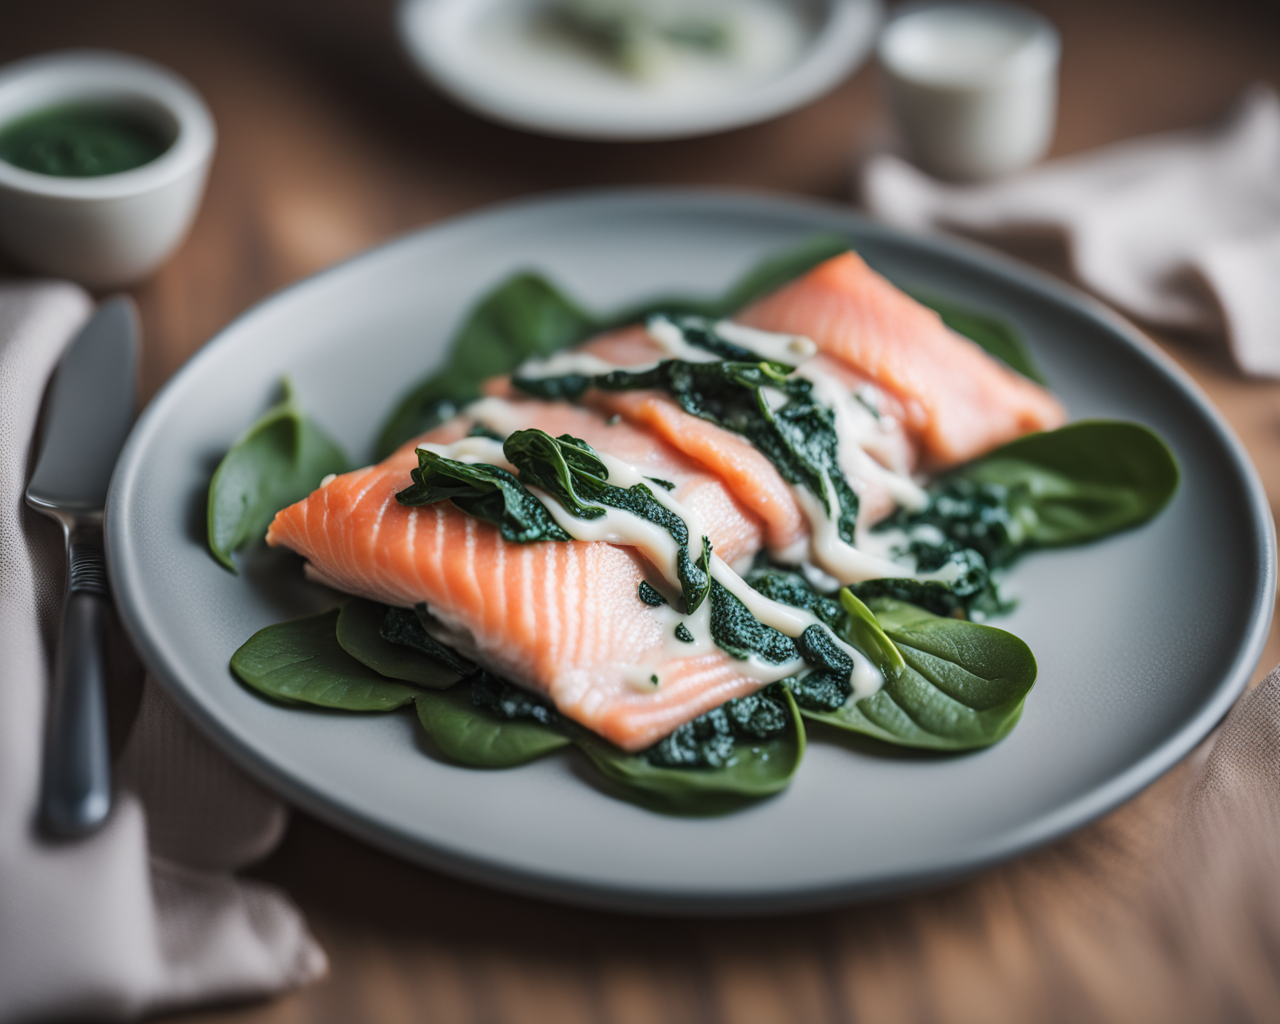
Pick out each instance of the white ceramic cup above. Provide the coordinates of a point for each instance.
(113, 229)
(973, 86)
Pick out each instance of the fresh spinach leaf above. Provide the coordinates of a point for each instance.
(301, 662)
(1082, 481)
(961, 686)
(863, 631)
(471, 735)
(280, 459)
(524, 316)
(757, 769)
(360, 634)
(486, 492)
(995, 336)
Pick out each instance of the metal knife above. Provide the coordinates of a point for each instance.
(88, 415)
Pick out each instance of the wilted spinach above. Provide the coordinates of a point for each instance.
(949, 684)
(775, 412)
(486, 492)
(756, 768)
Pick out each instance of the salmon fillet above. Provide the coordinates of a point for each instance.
(958, 402)
(562, 618)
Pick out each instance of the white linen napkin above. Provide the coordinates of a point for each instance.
(145, 914)
(1181, 230)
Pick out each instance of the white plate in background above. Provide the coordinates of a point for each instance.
(484, 54)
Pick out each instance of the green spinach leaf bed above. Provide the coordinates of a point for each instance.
(951, 681)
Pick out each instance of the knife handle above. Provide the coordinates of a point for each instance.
(76, 791)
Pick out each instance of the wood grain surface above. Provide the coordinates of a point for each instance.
(329, 143)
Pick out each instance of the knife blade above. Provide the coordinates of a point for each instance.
(89, 412)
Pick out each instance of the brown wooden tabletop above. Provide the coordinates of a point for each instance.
(329, 143)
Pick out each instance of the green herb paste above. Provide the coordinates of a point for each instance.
(82, 141)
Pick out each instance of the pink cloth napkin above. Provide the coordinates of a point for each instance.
(146, 914)
(1180, 230)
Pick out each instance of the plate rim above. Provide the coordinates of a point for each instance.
(840, 47)
(1036, 832)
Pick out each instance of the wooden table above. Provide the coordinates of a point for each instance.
(329, 144)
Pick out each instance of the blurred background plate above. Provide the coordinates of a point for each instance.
(1143, 640)
(492, 56)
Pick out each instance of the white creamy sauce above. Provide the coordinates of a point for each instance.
(891, 544)
(667, 336)
(472, 450)
(835, 555)
(792, 349)
(774, 398)
(866, 678)
(858, 431)
(498, 415)
(573, 364)
(821, 581)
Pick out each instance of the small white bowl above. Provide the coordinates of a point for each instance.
(481, 54)
(112, 229)
(973, 85)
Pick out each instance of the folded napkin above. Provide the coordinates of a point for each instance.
(145, 914)
(1180, 230)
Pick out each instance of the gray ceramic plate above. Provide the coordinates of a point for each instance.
(1143, 640)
